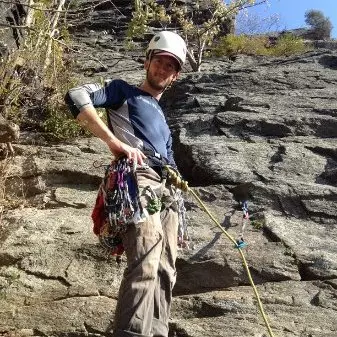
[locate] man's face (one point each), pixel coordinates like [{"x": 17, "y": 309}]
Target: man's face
[{"x": 161, "y": 71}]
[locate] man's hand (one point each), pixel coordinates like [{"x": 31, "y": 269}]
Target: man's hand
[{"x": 133, "y": 154}]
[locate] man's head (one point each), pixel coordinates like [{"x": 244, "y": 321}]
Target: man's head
[
  {"x": 165, "y": 56},
  {"x": 169, "y": 44}
]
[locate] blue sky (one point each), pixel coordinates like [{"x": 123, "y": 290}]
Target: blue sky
[{"x": 290, "y": 13}]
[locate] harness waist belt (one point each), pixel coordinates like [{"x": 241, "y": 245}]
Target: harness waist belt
[
  {"x": 155, "y": 159},
  {"x": 151, "y": 153}
]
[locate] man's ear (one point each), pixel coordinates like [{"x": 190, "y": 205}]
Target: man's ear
[
  {"x": 176, "y": 76},
  {"x": 146, "y": 64}
]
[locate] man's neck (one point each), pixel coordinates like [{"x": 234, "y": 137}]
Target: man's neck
[{"x": 153, "y": 92}]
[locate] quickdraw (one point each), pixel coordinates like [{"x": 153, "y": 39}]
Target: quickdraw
[
  {"x": 182, "y": 185},
  {"x": 117, "y": 205},
  {"x": 122, "y": 198},
  {"x": 155, "y": 203},
  {"x": 240, "y": 242}
]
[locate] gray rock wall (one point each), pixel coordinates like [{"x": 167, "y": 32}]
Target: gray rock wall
[
  {"x": 331, "y": 45},
  {"x": 254, "y": 128},
  {"x": 251, "y": 128}
]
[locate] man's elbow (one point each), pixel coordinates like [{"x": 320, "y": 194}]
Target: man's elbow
[{"x": 71, "y": 105}]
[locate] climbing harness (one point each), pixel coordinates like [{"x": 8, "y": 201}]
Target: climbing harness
[
  {"x": 118, "y": 205},
  {"x": 183, "y": 185}
]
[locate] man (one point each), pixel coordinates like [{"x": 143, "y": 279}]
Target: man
[{"x": 137, "y": 129}]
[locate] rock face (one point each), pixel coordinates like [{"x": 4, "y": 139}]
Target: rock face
[{"x": 256, "y": 129}]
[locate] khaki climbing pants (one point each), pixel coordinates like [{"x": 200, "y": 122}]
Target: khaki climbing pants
[{"x": 145, "y": 293}]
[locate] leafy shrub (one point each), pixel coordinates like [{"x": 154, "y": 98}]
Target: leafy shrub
[
  {"x": 231, "y": 45},
  {"x": 59, "y": 125},
  {"x": 258, "y": 224},
  {"x": 285, "y": 45}
]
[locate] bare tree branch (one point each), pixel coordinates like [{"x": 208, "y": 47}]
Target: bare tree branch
[
  {"x": 13, "y": 2},
  {"x": 231, "y": 11},
  {"x": 79, "y": 52},
  {"x": 52, "y": 32},
  {"x": 7, "y": 25},
  {"x": 255, "y": 4}
]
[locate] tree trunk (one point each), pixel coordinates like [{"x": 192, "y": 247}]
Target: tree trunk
[
  {"x": 30, "y": 14},
  {"x": 52, "y": 33},
  {"x": 191, "y": 59}
]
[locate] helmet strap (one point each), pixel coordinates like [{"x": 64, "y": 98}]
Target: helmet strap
[{"x": 149, "y": 55}]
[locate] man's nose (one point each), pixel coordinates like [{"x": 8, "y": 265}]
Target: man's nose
[{"x": 163, "y": 66}]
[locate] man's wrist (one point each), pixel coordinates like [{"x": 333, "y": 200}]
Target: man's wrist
[{"x": 114, "y": 144}]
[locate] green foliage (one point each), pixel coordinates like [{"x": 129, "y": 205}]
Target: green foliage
[
  {"x": 200, "y": 22},
  {"x": 202, "y": 26},
  {"x": 59, "y": 125},
  {"x": 232, "y": 45},
  {"x": 320, "y": 25},
  {"x": 258, "y": 224},
  {"x": 57, "y": 122},
  {"x": 145, "y": 13},
  {"x": 35, "y": 77},
  {"x": 288, "y": 45}
]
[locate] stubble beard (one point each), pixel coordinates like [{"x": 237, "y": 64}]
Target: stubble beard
[{"x": 156, "y": 85}]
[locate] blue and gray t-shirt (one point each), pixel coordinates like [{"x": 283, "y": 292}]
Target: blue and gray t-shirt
[{"x": 134, "y": 116}]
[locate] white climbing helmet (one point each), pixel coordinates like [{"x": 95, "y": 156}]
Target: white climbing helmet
[{"x": 168, "y": 42}]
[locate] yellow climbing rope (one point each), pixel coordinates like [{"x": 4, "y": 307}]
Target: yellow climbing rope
[{"x": 175, "y": 180}]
